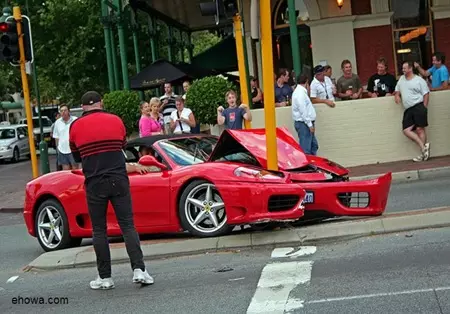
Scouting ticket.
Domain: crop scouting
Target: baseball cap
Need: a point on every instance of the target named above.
(318, 69)
(90, 98)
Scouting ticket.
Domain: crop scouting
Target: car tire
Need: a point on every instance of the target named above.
(188, 212)
(16, 155)
(43, 234)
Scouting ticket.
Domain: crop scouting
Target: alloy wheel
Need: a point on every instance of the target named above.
(50, 227)
(205, 209)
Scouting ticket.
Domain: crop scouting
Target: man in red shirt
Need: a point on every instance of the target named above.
(96, 140)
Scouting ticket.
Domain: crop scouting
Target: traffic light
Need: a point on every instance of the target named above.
(9, 42)
(225, 9)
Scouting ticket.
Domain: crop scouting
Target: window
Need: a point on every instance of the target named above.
(7, 134)
(413, 32)
(188, 151)
(281, 19)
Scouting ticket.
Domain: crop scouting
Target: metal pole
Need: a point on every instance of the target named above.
(136, 55)
(190, 48)
(152, 34)
(170, 39)
(293, 30)
(26, 93)
(243, 74)
(122, 45)
(269, 91)
(182, 45)
(114, 59)
(43, 147)
(106, 30)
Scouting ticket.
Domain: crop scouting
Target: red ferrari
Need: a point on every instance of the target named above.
(206, 185)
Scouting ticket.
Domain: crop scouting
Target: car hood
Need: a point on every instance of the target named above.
(6, 142)
(290, 155)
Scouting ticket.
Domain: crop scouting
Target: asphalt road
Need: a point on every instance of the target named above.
(399, 273)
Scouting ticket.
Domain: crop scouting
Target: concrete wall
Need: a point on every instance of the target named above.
(369, 131)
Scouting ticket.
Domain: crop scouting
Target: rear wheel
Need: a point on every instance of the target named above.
(16, 155)
(202, 210)
(52, 227)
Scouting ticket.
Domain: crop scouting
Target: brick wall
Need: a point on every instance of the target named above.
(442, 38)
(370, 44)
(361, 7)
(368, 131)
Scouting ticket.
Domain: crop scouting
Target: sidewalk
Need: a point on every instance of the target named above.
(405, 170)
(12, 185)
(308, 235)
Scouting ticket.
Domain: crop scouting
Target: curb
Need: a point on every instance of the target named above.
(411, 175)
(316, 234)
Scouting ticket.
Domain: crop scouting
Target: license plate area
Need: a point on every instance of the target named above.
(309, 198)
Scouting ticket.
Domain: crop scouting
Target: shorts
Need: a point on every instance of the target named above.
(65, 159)
(416, 116)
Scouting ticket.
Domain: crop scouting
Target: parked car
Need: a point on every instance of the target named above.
(207, 185)
(47, 125)
(14, 142)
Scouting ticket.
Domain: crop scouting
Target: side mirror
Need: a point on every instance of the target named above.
(149, 161)
(21, 136)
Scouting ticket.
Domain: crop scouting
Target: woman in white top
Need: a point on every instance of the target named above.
(182, 119)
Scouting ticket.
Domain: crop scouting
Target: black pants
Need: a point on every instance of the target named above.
(117, 191)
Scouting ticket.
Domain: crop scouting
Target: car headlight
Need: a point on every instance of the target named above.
(257, 174)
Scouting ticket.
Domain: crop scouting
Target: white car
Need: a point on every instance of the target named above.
(14, 142)
(47, 128)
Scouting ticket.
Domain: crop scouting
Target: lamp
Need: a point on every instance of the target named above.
(340, 3)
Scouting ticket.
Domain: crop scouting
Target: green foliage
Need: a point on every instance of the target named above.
(125, 104)
(205, 95)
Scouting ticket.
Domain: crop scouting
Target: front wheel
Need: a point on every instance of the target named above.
(202, 210)
(52, 227)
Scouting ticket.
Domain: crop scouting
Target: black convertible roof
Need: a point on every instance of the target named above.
(150, 140)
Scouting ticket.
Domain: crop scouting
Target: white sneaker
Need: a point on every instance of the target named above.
(418, 158)
(142, 277)
(103, 284)
(426, 152)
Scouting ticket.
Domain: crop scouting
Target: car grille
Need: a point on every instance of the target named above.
(279, 203)
(355, 199)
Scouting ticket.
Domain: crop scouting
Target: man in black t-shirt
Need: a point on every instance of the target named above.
(382, 83)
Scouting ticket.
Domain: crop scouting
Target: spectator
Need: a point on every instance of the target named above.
(186, 86)
(57, 116)
(256, 94)
(348, 85)
(61, 136)
(304, 115)
(413, 92)
(168, 105)
(438, 72)
(283, 92)
(321, 88)
(382, 83)
(233, 116)
(151, 122)
(329, 73)
(182, 119)
(97, 139)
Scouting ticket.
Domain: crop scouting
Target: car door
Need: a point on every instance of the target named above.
(23, 142)
(150, 194)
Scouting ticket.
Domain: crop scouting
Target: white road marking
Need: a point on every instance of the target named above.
(376, 295)
(236, 279)
(283, 252)
(276, 282)
(12, 279)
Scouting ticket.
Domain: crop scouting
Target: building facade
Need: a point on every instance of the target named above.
(360, 31)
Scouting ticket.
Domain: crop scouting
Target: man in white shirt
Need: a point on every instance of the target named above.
(322, 88)
(61, 136)
(304, 115)
(413, 92)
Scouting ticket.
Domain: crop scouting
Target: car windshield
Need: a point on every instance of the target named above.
(189, 151)
(6, 134)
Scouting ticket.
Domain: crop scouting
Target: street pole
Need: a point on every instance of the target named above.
(269, 91)
(170, 43)
(106, 28)
(190, 47)
(152, 35)
(114, 59)
(136, 54)
(122, 44)
(293, 30)
(243, 70)
(43, 147)
(26, 93)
